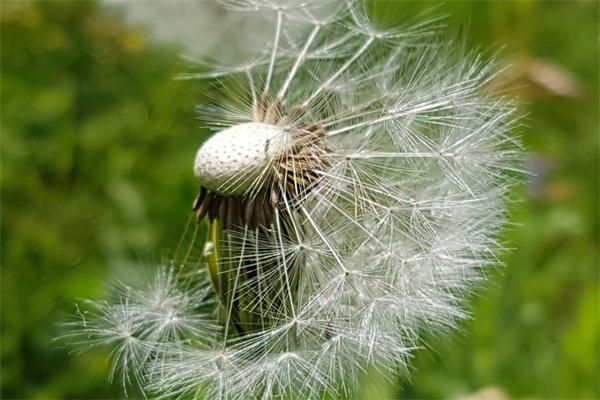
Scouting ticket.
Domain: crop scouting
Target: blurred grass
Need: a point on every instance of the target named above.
(98, 140)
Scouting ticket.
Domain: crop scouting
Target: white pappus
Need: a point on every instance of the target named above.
(355, 187)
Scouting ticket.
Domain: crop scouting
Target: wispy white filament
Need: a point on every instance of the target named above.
(385, 162)
(274, 53)
(300, 59)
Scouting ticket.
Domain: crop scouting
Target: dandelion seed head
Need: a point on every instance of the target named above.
(355, 187)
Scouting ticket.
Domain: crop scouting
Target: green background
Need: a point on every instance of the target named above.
(97, 145)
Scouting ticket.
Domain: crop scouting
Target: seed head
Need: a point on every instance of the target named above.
(354, 189)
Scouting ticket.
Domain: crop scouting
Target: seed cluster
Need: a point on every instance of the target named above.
(355, 199)
(277, 160)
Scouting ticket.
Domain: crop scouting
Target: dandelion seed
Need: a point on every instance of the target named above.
(354, 189)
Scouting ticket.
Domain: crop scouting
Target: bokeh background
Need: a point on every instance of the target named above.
(97, 147)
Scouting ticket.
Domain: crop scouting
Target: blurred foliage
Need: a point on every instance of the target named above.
(97, 143)
(98, 140)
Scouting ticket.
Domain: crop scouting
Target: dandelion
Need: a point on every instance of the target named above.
(354, 189)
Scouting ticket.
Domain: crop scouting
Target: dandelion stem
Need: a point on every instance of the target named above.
(214, 258)
(233, 290)
(260, 281)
